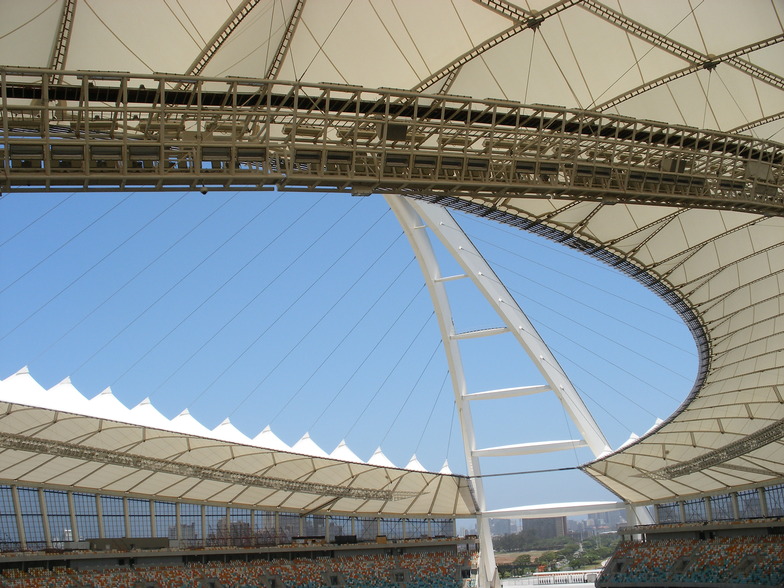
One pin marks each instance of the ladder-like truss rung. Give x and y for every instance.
(450, 278)
(508, 392)
(480, 333)
(529, 448)
(558, 509)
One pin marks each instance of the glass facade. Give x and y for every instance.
(165, 519)
(668, 513)
(110, 517)
(444, 528)
(392, 528)
(340, 527)
(113, 512)
(721, 508)
(240, 530)
(30, 507)
(86, 517)
(288, 526)
(24, 512)
(265, 529)
(314, 526)
(749, 506)
(417, 528)
(367, 528)
(217, 525)
(59, 517)
(139, 517)
(774, 498)
(9, 532)
(694, 510)
(190, 524)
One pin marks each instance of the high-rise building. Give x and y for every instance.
(546, 527)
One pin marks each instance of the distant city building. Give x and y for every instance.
(187, 531)
(546, 527)
(606, 521)
(500, 527)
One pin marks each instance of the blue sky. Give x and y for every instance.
(308, 312)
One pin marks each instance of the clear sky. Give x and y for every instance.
(308, 313)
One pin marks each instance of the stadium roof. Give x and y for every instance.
(716, 64)
(58, 438)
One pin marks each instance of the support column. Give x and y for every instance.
(44, 518)
(229, 540)
(203, 526)
(72, 514)
(763, 502)
(177, 522)
(153, 526)
(99, 512)
(20, 530)
(126, 517)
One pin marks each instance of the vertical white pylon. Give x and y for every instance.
(415, 217)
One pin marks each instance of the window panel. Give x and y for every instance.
(289, 526)
(217, 527)
(139, 517)
(694, 510)
(9, 533)
(166, 519)
(86, 516)
(58, 515)
(367, 528)
(668, 513)
(32, 520)
(113, 517)
(339, 526)
(749, 506)
(392, 528)
(721, 508)
(190, 524)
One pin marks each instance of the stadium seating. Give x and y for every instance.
(753, 560)
(421, 570)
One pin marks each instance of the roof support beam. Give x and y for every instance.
(711, 62)
(285, 42)
(504, 8)
(758, 123)
(220, 37)
(719, 457)
(63, 40)
(476, 51)
(564, 164)
(695, 57)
